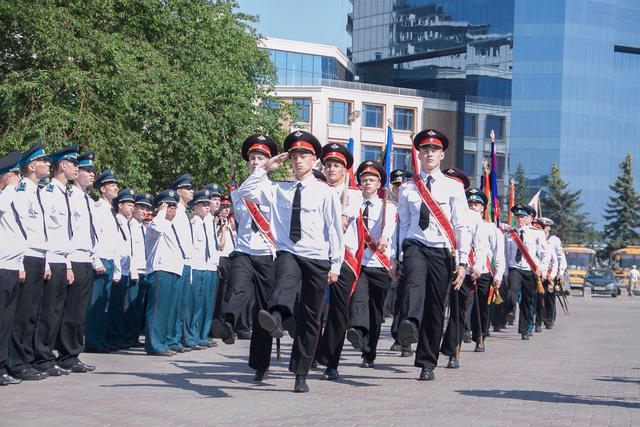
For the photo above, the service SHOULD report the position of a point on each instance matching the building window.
(302, 110)
(470, 125)
(372, 115)
(271, 104)
(339, 112)
(401, 159)
(371, 152)
(469, 163)
(497, 124)
(500, 163)
(403, 118)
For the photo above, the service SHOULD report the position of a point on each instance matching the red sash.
(435, 210)
(472, 261)
(355, 261)
(260, 220)
(386, 262)
(523, 249)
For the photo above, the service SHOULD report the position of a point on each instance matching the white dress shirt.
(182, 224)
(497, 249)
(57, 215)
(202, 239)
(126, 249)
(82, 217)
(535, 244)
(109, 244)
(320, 215)
(163, 250)
(374, 225)
(31, 213)
(558, 263)
(480, 242)
(139, 256)
(449, 194)
(250, 242)
(351, 211)
(11, 255)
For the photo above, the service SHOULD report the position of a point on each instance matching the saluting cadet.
(252, 273)
(114, 335)
(556, 269)
(201, 276)
(11, 257)
(183, 187)
(135, 297)
(58, 216)
(379, 221)
(527, 257)
(310, 248)
(165, 265)
(337, 160)
(107, 263)
(34, 164)
(70, 341)
(434, 222)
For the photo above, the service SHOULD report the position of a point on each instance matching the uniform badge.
(334, 146)
(298, 134)
(171, 194)
(50, 188)
(22, 186)
(431, 133)
(261, 138)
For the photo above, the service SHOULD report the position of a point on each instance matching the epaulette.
(457, 181)
(22, 186)
(50, 188)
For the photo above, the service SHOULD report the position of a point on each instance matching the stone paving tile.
(584, 372)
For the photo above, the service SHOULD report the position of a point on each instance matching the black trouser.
(49, 317)
(510, 297)
(400, 291)
(332, 339)
(525, 282)
(21, 347)
(480, 311)
(252, 278)
(548, 313)
(367, 307)
(9, 287)
(70, 341)
(428, 273)
(309, 277)
(457, 313)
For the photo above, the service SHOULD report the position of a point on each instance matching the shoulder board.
(455, 180)
(50, 188)
(22, 186)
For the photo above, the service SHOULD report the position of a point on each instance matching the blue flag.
(386, 159)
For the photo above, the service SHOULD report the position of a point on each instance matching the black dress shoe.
(57, 371)
(223, 330)
(212, 343)
(354, 336)
(479, 348)
(301, 384)
(525, 337)
(30, 374)
(261, 375)
(466, 337)
(395, 346)
(101, 350)
(407, 332)
(496, 329)
(510, 319)
(80, 368)
(244, 335)
(367, 364)
(406, 351)
(271, 322)
(453, 363)
(197, 347)
(178, 349)
(186, 349)
(166, 353)
(426, 374)
(330, 374)
(137, 344)
(7, 379)
(538, 328)
(548, 326)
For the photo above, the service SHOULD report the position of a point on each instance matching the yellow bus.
(580, 259)
(623, 260)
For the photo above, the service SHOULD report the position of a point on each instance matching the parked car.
(602, 282)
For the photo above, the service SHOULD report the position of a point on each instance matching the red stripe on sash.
(435, 210)
(523, 249)
(260, 220)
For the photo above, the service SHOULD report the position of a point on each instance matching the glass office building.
(558, 80)
(294, 68)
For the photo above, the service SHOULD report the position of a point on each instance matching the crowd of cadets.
(81, 275)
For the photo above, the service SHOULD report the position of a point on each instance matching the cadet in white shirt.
(307, 222)
(184, 233)
(429, 264)
(70, 342)
(108, 250)
(337, 162)
(213, 289)
(252, 273)
(522, 275)
(379, 223)
(11, 256)
(114, 334)
(546, 305)
(57, 207)
(34, 165)
(165, 264)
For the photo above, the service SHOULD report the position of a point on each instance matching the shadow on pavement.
(625, 380)
(548, 396)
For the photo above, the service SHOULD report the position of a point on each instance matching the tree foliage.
(156, 88)
(522, 190)
(621, 214)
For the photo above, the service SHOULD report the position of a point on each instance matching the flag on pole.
(535, 203)
(512, 202)
(495, 199)
(486, 186)
(386, 158)
(352, 179)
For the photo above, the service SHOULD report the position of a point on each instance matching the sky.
(313, 21)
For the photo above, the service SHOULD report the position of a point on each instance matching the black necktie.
(191, 229)
(44, 224)
(115, 218)
(92, 228)
(215, 235)
(424, 210)
(17, 216)
(173, 227)
(295, 229)
(518, 253)
(365, 214)
(254, 226)
(207, 253)
(69, 227)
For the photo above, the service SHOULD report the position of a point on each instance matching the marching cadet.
(70, 342)
(58, 218)
(165, 264)
(114, 334)
(34, 164)
(135, 297)
(183, 187)
(527, 257)
(107, 263)
(11, 256)
(557, 267)
(337, 161)
(252, 273)
(204, 250)
(434, 222)
(309, 240)
(379, 221)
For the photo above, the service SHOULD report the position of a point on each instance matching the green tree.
(156, 88)
(621, 214)
(563, 206)
(522, 190)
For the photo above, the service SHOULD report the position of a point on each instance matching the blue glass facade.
(295, 68)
